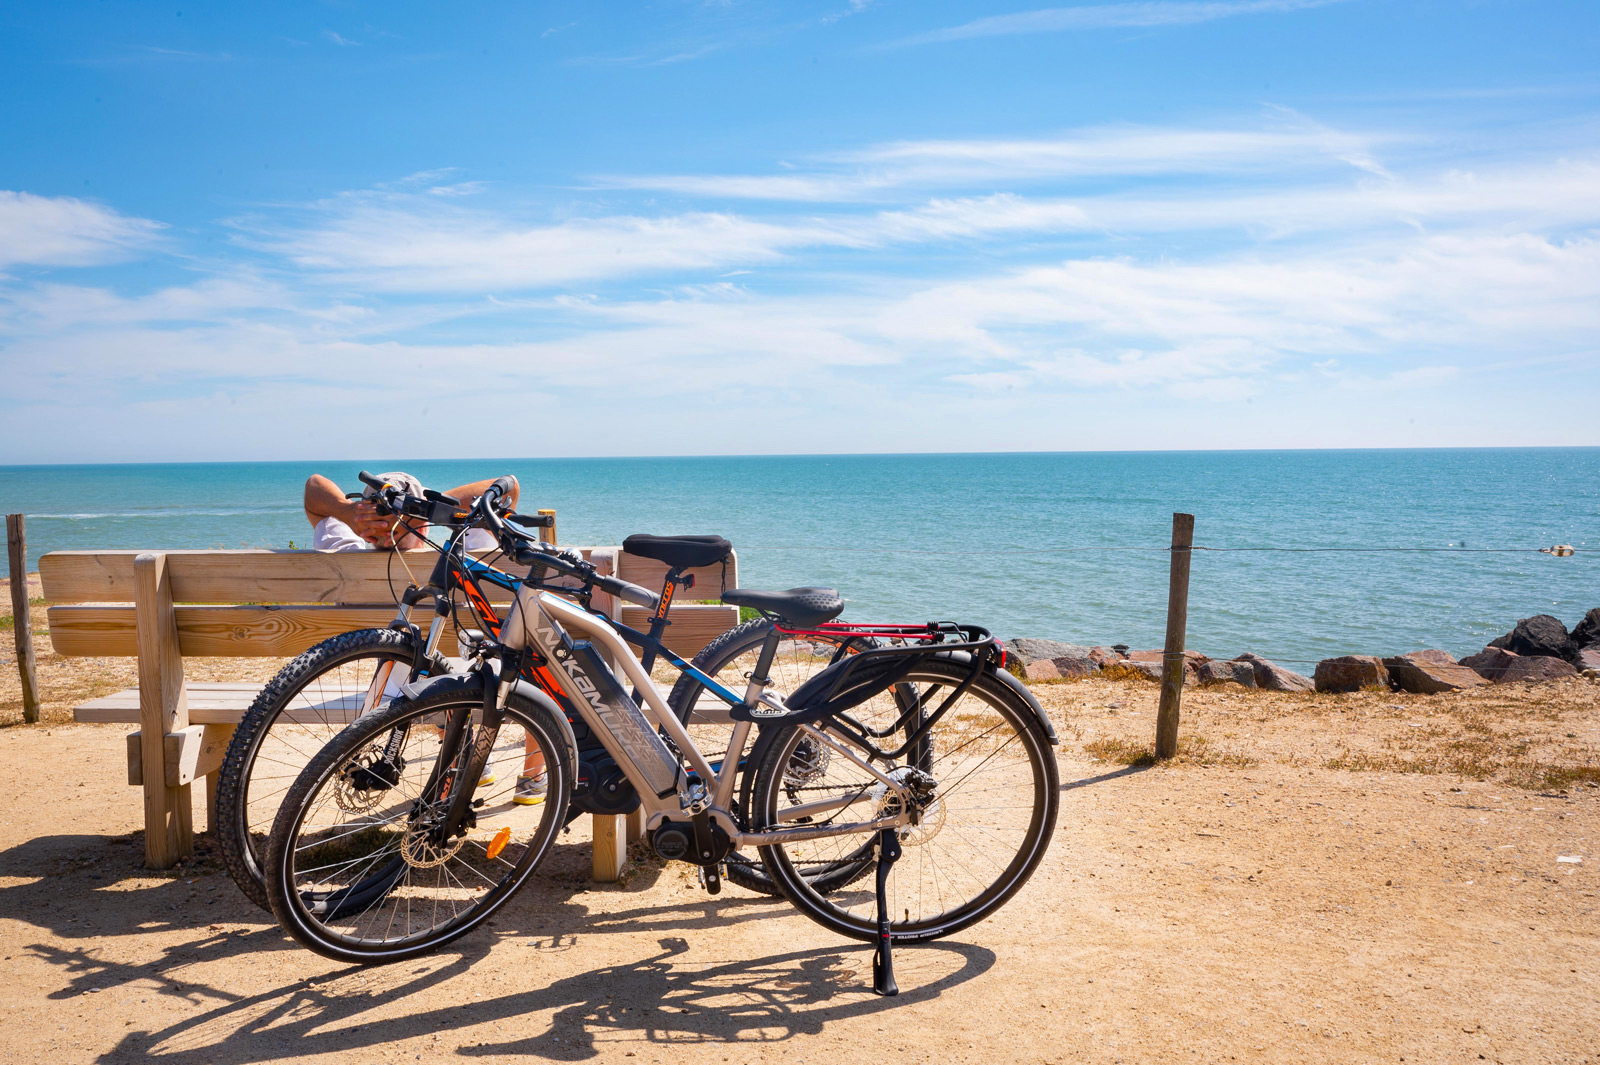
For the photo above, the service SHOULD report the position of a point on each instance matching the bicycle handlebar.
(526, 549)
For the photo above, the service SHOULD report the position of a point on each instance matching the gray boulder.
(1540, 636)
(1586, 633)
(1235, 672)
(1350, 673)
(1273, 677)
(1534, 668)
(1491, 662)
(1431, 672)
(1066, 667)
(1030, 649)
(1130, 667)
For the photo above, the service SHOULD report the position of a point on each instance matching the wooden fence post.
(1172, 663)
(163, 709)
(550, 533)
(21, 623)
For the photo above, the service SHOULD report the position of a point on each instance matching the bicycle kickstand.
(883, 958)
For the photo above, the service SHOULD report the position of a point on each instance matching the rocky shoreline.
(1538, 648)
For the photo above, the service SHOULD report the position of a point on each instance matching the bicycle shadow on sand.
(659, 1000)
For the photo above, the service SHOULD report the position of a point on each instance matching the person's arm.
(323, 499)
(469, 493)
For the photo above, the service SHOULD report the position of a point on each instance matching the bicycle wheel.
(359, 867)
(729, 659)
(980, 837)
(309, 701)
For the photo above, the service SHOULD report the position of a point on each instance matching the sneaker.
(531, 789)
(488, 778)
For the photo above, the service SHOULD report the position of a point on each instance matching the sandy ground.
(1354, 878)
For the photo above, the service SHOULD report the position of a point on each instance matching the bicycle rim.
(297, 713)
(978, 839)
(355, 872)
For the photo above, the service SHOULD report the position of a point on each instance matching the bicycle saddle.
(800, 608)
(679, 552)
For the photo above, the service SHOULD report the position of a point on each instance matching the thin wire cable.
(1162, 550)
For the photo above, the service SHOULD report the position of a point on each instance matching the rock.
(1130, 668)
(1066, 667)
(1273, 677)
(1102, 655)
(1491, 662)
(1041, 669)
(1541, 636)
(1534, 668)
(1235, 672)
(1351, 673)
(1588, 658)
(1029, 649)
(1586, 633)
(1431, 672)
(1074, 667)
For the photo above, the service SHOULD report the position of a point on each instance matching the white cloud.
(1088, 153)
(62, 231)
(1111, 16)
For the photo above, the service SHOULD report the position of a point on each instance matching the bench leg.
(610, 846)
(636, 825)
(163, 709)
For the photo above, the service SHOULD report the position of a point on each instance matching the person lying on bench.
(341, 524)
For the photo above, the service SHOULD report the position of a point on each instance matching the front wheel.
(362, 865)
(986, 809)
(309, 701)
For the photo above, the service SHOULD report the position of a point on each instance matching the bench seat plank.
(225, 704)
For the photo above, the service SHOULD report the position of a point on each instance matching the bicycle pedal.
(711, 877)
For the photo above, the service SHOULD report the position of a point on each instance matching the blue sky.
(346, 229)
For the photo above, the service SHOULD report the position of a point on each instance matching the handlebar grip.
(369, 480)
(629, 593)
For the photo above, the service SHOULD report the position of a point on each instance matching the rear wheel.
(730, 659)
(361, 865)
(308, 703)
(988, 807)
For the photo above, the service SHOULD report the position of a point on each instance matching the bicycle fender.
(523, 694)
(1019, 689)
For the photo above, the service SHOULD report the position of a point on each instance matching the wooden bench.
(164, 606)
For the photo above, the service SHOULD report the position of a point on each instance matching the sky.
(341, 229)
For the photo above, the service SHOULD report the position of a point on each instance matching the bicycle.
(383, 850)
(325, 687)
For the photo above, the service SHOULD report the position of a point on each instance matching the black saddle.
(800, 608)
(679, 552)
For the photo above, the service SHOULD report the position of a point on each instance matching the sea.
(1305, 554)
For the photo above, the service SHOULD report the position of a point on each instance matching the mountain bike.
(327, 686)
(386, 847)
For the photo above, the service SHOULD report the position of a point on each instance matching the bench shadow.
(1115, 774)
(661, 999)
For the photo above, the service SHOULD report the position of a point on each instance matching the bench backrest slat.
(222, 631)
(237, 576)
(265, 603)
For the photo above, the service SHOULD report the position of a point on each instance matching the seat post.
(759, 678)
(658, 620)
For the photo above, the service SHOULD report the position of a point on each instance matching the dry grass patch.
(1192, 750)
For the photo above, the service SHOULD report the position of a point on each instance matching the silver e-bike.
(901, 794)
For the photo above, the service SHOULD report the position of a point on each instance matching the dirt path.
(1247, 904)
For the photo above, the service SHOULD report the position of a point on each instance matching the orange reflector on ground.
(498, 844)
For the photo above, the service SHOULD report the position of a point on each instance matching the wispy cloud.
(341, 41)
(1110, 16)
(62, 231)
(1087, 153)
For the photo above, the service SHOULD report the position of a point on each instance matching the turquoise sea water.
(1027, 544)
